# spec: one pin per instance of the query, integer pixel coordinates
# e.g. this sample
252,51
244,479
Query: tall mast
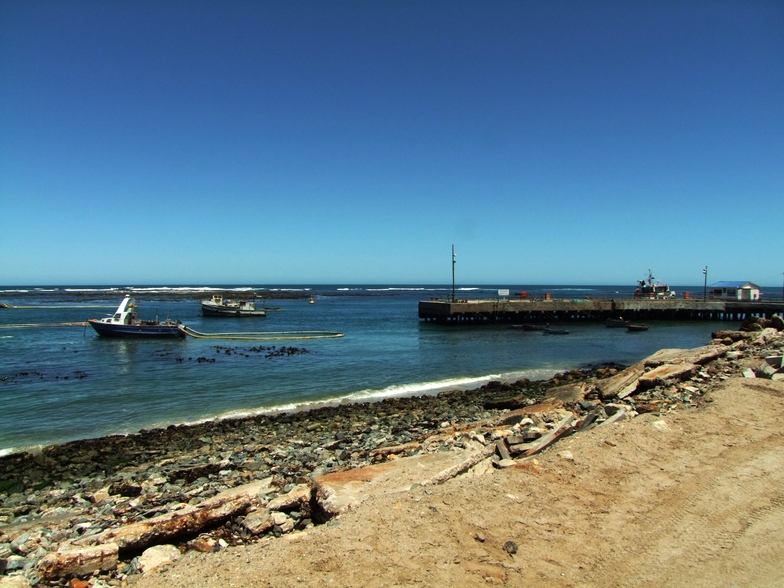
454,260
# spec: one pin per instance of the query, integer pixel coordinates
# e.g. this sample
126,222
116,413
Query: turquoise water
66,383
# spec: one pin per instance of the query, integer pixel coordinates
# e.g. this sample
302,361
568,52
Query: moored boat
551,331
123,323
220,306
634,328
616,323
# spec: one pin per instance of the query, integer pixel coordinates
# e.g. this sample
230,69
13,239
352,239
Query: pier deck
554,310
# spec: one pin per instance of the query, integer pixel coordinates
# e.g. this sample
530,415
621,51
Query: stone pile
93,509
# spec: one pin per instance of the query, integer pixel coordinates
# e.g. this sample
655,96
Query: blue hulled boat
123,323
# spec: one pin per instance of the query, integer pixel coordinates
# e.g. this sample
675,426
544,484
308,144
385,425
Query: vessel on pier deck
650,289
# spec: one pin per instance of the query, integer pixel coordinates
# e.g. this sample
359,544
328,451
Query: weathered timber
524,311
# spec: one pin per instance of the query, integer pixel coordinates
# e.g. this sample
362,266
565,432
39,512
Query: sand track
695,501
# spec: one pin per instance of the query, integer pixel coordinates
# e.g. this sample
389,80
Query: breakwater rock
93,509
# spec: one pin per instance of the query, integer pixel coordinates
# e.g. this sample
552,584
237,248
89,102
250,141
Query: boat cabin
125,313
746,291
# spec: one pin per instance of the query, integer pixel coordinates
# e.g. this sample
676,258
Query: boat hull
209,309
136,331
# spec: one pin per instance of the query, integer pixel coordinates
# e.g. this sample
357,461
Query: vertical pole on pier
705,285
453,272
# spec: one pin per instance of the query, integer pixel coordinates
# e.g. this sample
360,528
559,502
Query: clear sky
306,142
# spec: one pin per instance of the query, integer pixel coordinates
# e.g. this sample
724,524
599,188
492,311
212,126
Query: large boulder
158,556
755,323
777,322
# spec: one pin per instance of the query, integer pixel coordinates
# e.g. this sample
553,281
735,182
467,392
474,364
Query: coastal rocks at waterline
92,508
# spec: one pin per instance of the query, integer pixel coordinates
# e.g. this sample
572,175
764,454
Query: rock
79,561
775,361
764,370
202,544
697,355
777,322
14,582
568,394
619,415
258,522
480,469
16,562
567,455
298,498
510,403
17,544
158,556
621,384
562,429
733,336
666,374
754,323
500,447
125,488
748,373
510,547
661,426
187,520
77,583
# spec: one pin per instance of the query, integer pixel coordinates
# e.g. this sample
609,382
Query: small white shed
745,291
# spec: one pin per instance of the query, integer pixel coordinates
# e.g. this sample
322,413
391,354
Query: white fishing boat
220,306
124,323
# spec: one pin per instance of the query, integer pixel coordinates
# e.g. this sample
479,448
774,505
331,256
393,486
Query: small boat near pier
636,328
123,323
220,306
554,331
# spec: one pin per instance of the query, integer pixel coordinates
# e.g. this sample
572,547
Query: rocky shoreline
91,512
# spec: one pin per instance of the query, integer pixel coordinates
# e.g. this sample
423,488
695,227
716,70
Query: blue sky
558,142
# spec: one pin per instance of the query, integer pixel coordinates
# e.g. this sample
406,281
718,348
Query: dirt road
692,498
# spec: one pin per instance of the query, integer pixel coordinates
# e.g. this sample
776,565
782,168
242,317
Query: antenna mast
454,260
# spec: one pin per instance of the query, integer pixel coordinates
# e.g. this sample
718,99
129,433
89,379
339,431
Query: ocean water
66,383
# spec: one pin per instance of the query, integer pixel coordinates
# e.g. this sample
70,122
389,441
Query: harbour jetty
546,309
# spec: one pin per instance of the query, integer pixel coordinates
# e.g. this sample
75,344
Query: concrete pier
512,311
